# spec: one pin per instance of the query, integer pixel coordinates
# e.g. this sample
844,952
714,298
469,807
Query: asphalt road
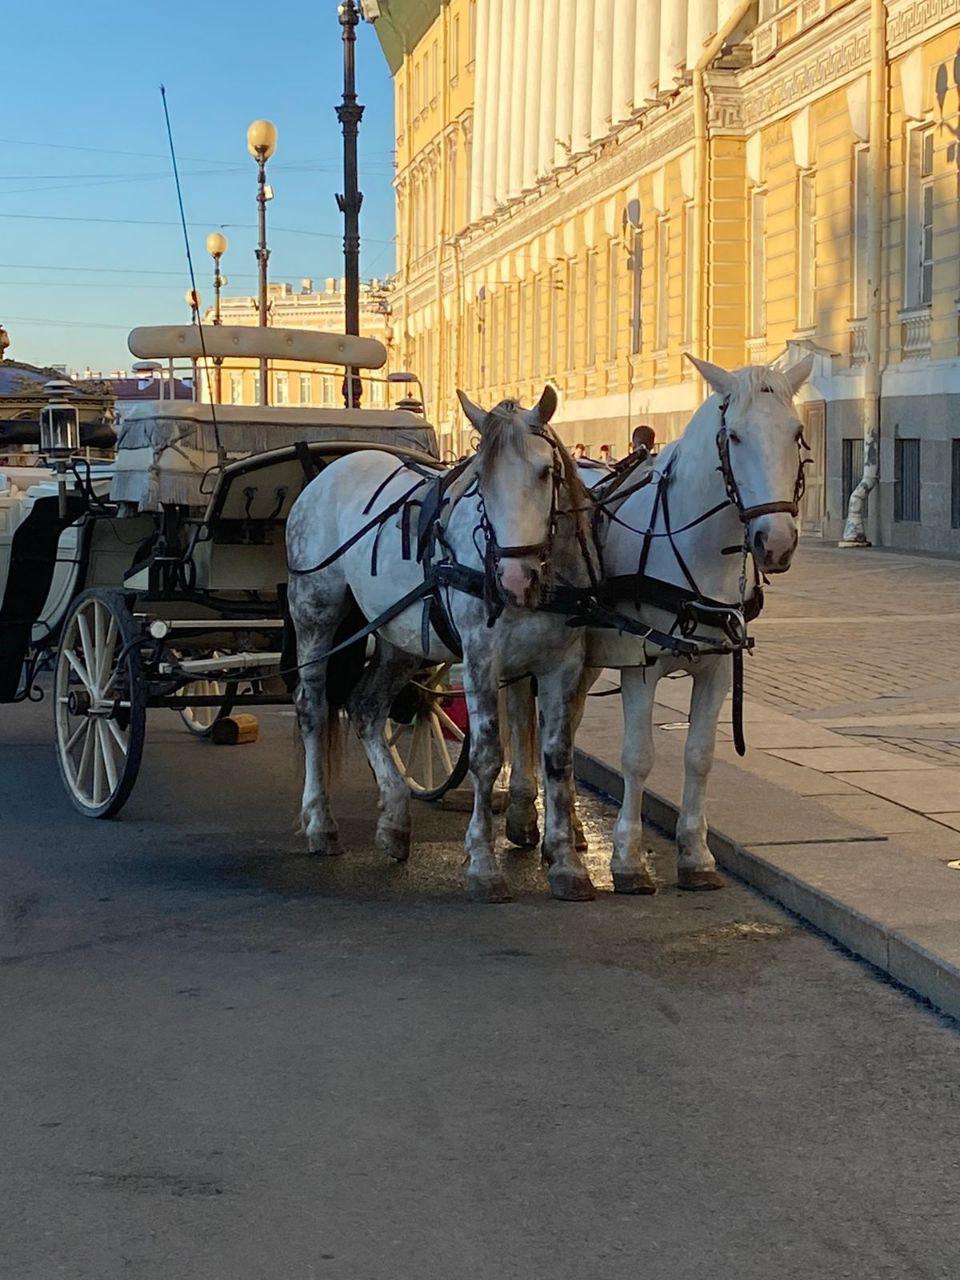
222,1059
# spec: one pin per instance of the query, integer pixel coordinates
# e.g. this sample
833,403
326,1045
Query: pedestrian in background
643,442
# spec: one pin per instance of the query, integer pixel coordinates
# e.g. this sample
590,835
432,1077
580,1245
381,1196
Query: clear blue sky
82,136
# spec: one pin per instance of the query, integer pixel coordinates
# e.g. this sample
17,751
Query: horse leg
522,826
369,707
696,868
568,877
628,865
485,879
318,722
587,679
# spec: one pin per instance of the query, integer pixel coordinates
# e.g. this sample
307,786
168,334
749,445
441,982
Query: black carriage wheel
99,703
431,751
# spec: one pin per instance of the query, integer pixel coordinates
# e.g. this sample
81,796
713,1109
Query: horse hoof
634,882
489,889
324,846
571,886
394,843
524,836
696,879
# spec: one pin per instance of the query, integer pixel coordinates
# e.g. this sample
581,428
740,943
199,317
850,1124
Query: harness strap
362,532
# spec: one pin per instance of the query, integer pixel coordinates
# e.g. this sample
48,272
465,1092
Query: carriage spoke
85,755
89,652
449,724
79,668
106,751
97,767
72,740
119,737
106,654
441,741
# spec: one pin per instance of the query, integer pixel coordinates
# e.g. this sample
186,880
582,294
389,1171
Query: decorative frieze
910,20
834,61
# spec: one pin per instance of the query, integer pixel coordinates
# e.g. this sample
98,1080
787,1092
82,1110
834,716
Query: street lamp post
217,247
261,143
350,113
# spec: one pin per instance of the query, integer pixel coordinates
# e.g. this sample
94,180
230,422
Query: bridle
790,507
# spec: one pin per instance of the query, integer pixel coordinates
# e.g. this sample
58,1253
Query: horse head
759,442
519,468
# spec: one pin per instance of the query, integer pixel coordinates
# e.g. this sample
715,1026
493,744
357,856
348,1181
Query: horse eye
734,438
545,473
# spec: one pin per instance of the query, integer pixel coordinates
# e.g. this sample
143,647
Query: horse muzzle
518,582
773,540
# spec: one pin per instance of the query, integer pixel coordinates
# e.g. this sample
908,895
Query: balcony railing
858,343
915,334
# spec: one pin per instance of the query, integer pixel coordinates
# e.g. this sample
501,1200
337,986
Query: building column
701,25
673,42
601,111
505,94
582,76
646,62
491,74
547,125
624,36
519,85
479,108
566,44
531,113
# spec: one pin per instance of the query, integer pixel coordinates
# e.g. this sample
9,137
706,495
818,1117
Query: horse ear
719,379
473,411
797,374
544,409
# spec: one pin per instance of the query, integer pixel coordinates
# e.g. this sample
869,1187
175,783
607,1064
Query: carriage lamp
59,433
262,143
408,402
194,302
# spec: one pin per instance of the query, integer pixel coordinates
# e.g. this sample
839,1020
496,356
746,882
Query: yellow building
303,308
586,189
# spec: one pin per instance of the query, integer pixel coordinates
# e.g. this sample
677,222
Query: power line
152,222
65,324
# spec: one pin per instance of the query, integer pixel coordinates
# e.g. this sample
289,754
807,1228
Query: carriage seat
167,449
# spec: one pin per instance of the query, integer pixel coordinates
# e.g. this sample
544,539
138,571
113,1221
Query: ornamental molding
671,133
838,57
911,21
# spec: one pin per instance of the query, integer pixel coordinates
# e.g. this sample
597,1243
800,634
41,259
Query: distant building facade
583,195
306,308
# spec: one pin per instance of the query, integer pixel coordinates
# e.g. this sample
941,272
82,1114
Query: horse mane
753,379
503,430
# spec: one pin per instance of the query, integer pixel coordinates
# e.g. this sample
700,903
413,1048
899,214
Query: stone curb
922,971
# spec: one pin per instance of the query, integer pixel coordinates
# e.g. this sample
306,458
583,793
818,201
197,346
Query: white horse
513,516
738,464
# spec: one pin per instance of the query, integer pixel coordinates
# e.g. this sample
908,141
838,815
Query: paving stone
924,790
847,759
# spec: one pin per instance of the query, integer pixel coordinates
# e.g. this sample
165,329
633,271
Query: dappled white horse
730,484
511,517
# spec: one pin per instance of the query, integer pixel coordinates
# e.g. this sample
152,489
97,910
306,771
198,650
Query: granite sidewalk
846,807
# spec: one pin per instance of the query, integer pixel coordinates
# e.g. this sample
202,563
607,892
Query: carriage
159,581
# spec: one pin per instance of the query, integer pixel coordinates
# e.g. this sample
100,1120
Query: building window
236,386
851,467
553,347
281,388
918,264
472,19
861,227
521,332
326,390
636,291
305,391
663,284
590,307
571,309
613,297
806,249
758,262
455,49
256,386
507,355
955,484
434,73
536,322
418,87
452,188
906,481
691,275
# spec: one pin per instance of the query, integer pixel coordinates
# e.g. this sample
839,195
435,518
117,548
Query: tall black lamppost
350,113
261,143
217,247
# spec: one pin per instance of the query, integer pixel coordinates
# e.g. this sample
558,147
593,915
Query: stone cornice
911,21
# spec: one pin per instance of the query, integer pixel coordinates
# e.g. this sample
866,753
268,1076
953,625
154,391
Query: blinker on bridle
746,513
